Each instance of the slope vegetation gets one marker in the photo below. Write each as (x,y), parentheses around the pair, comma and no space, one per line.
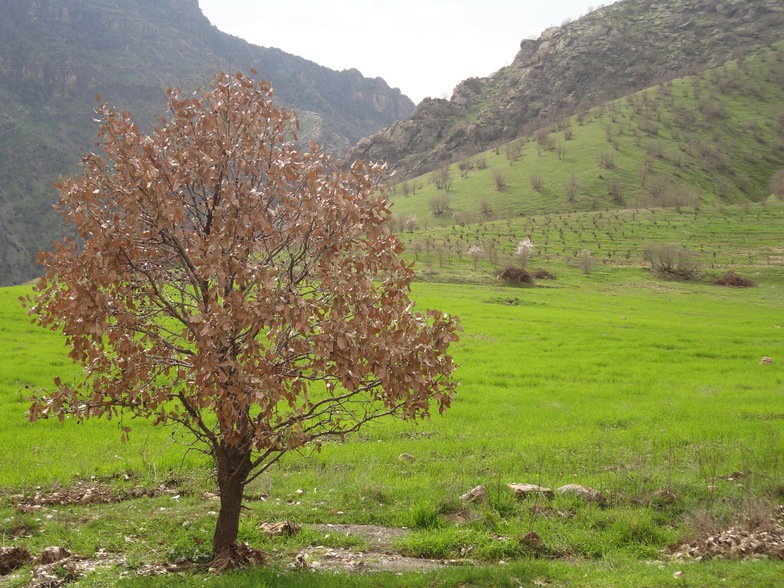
(618,49)
(709,139)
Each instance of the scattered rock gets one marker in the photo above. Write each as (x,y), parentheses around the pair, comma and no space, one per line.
(583,492)
(286,528)
(88,492)
(13,558)
(406,458)
(765,540)
(478,495)
(766,360)
(526,490)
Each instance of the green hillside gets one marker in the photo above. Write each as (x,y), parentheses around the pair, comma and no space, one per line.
(703,140)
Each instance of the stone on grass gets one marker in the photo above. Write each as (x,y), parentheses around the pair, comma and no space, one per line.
(526,490)
(286,528)
(478,494)
(583,492)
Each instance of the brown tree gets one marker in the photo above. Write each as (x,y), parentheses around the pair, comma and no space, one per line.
(227,281)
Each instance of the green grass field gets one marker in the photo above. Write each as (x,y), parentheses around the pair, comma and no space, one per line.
(618,381)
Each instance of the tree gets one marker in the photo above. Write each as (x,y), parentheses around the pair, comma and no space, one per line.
(228,282)
(525,249)
(500,179)
(439,204)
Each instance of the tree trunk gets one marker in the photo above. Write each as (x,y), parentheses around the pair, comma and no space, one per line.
(233,466)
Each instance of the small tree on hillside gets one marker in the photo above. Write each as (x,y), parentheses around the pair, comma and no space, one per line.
(230,283)
(525,249)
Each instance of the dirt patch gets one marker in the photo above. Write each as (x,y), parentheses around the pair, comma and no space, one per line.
(379,557)
(347,560)
(379,538)
(86,493)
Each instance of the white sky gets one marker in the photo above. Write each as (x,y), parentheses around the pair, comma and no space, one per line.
(423,47)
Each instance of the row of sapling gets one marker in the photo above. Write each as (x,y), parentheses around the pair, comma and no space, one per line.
(610,232)
(230,282)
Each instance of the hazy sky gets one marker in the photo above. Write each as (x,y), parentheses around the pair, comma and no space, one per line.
(423,47)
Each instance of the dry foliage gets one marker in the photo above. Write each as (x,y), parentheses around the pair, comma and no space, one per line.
(733,280)
(228,281)
(514,275)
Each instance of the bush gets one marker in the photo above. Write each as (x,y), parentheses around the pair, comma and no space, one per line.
(514,275)
(733,280)
(671,261)
(542,274)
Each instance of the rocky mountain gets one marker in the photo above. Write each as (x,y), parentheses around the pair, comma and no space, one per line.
(57,55)
(609,53)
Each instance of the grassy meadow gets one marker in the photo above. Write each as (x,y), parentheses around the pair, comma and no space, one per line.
(649,390)
(614,380)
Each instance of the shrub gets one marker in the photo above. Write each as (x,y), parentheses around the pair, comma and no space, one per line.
(733,280)
(671,261)
(542,274)
(514,275)
(585,258)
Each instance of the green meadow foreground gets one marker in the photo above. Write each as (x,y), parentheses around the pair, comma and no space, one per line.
(651,392)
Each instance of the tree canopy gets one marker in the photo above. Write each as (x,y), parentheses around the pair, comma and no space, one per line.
(224,279)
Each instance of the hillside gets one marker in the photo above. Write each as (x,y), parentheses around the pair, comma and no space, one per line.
(609,53)
(710,139)
(57,55)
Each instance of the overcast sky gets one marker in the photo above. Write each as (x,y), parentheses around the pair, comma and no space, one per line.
(423,47)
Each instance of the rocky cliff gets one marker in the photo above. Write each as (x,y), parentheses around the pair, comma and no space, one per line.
(606,54)
(57,55)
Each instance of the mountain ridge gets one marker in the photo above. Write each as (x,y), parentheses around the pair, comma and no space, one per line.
(606,54)
(57,55)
